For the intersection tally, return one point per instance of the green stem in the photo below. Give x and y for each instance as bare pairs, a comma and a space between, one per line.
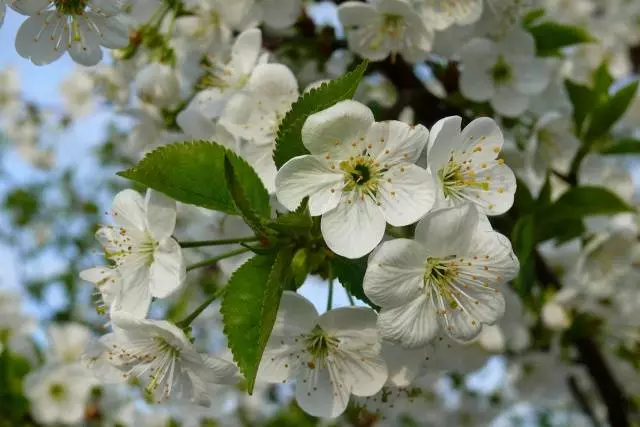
330, 296
213, 260
351, 301
200, 243
190, 318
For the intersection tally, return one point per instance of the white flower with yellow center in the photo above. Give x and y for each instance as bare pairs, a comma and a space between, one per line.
506, 73
330, 356
359, 176
444, 278
80, 27
254, 116
67, 342
160, 356
148, 259
466, 166
441, 14
385, 27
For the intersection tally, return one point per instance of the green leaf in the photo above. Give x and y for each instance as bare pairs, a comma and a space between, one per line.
523, 237
194, 172
582, 99
297, 223
350, 274
579, 202
544, 199
289, 139
602, 81
529, 19
249, 309
622, 146
552, 36
607, 113
241, 201
523, 200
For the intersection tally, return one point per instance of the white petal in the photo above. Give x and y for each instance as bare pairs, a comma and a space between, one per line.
128, 210
411, 325
354, 227
260, 157
334, 131
482, 140
296, 315
85, 44
395, 273
447, 232
408, 196
350, 321
498, 259
395, 141
160, 214
443, 140
308, 176
114, 32
531, 77
517, 43
246, 49
195, 124
355, 14
509, 102
273, 85
29, 7
403, 364
134, 300
280, 14
321, 394
479, 55
498, 197
167, 272
476, 85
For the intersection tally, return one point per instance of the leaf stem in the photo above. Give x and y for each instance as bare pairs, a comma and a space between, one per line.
217, 258
350, 297
190, 318
200, 243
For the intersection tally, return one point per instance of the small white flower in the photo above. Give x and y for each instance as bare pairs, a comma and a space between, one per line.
158, 84
441, 14
255, 116
330, 356
77, 93
160, 356
222, 81
67, 342
80, 27
466, 166
359, 176
147, 257
506, 73
445, 278
385, 27
278, 14
58, 394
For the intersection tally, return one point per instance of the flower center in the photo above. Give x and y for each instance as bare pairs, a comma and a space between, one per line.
362, 174
57, 391
439, 274
392, 24
71, 7
501, 72
456, 177
319, 344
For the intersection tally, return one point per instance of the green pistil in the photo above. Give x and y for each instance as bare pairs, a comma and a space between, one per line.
319, 344
454, 180
501, 72
361, 174
391, 24
57, 391
440, 274
71, 7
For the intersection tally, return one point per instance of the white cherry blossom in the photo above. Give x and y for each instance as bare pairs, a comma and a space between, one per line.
445, 278
158, 84
385, 27
278, 14
256, 115
148, 259
506, 73
67, 342
58, 394
441, 14
330, 356
359, 176
159, 355
466, 165
80, 27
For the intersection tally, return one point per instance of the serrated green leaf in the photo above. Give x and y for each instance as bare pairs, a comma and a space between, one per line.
350, 274
552, 36
241, 201
249, 309
289, 140
583, 100
194, 173
579, 202
622, 146
607, 113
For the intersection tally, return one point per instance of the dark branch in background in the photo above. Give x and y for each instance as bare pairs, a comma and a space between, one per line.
582, 400
429, 109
